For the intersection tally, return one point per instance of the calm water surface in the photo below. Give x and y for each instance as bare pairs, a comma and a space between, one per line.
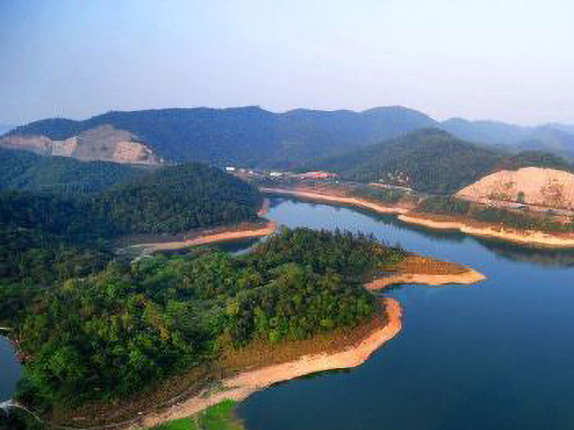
9, 369
498, 355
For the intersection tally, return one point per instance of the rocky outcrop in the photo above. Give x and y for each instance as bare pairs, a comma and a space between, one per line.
105, 143
530, 185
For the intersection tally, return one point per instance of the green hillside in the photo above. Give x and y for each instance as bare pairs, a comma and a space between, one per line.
429, 160
179, 198
46, 237
125, 330
24, 171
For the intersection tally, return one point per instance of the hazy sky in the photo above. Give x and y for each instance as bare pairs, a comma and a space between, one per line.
511, 60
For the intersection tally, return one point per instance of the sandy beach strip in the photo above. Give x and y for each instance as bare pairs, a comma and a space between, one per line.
531, 238
211, 237
427, 271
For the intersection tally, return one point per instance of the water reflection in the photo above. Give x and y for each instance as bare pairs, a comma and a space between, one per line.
544, 257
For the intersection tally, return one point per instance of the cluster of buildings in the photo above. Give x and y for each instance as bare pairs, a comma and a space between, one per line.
275, 174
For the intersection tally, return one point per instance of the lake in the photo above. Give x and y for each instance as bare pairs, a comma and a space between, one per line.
498, 355
9, 369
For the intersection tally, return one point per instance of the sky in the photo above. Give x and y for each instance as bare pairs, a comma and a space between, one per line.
509, 60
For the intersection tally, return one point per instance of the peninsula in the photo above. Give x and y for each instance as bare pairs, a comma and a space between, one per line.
227, 325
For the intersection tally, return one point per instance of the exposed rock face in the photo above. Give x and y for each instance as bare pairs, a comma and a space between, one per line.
104, 143
529, 185
39, 144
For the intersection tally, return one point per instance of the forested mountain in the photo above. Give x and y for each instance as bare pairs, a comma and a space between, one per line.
179, 198
248, 136
45, 236
429, 160
25, 171
555, 138
171, 199
251, 136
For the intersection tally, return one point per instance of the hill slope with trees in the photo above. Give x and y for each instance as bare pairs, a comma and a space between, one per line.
25, 171
540, 159
179, 198
108, 336
429, 160
46, 237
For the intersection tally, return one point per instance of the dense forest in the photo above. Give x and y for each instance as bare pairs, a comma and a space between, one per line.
49, 236
112, 333
429, 160
54, 237
177, 199
25, 171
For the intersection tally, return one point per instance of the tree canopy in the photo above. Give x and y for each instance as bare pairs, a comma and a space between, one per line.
429, 160
112, 333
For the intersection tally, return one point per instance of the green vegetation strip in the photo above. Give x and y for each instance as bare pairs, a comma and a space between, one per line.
218, 417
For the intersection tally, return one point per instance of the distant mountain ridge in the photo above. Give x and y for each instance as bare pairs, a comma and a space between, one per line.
248, 135
255, 137
555, 138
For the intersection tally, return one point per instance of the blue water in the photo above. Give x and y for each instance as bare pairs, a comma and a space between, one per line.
498, 355
9, 369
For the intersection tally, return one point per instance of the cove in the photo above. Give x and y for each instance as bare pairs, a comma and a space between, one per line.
9, 369
498, 355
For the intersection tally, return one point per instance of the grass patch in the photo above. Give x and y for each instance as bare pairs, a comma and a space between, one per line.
217, 417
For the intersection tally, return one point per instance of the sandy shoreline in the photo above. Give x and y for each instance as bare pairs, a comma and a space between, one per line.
416, 269
469, 278
528, 238
337, 199
413, 270
242, 385
204, 239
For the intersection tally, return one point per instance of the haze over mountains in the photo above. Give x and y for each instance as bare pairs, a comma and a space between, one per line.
252, 136
5, 127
